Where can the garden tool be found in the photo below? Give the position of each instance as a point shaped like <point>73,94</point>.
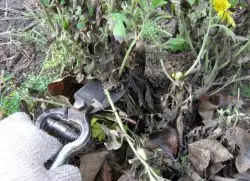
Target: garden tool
<point>72,123</point>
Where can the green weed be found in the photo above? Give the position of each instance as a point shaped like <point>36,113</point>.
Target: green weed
<point>11,95</point>
<point>245,90</point>
<point>96,129</point>
<point>38,83</point>
<point>9,102</point>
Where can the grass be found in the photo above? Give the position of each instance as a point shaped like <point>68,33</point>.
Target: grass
<point>9,103</point>
<point>11,95</point>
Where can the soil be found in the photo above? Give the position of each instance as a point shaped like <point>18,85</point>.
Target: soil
<point>173,62</point>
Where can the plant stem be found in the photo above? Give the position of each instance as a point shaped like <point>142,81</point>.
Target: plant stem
<point>33,99</point>
<point>47,16</point>
<point>165,72</point>
<point>150,171</point>
<point>64,44</point>
<point>187,33</point>
<point>165,32</point>
<point>191,69</point>
<point>125,59</point>
<point>228,83</point>
<point>242,48</point>
<point>77,45</point>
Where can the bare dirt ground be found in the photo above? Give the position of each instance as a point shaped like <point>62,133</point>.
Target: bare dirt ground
<point>17,57</point>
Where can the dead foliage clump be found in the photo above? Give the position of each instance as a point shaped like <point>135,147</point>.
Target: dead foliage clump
<point>179,71</point>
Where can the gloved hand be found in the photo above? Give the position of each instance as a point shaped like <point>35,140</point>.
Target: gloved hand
<point>24,149</point>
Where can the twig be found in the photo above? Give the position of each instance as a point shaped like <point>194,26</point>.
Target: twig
<point>5,33</point>
<point>12,58</point>
<point>208,82</point>
<point>5,9</point>
<point>228,83</point>
<point>15,18</point>
<point>242,48</point>
<point>11,10</point>
<point>152,175</point>
<point>235,109</point>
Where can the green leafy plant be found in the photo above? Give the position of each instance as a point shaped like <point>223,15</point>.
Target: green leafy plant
<point>143,23</point>
<point>117,22</point>
<point>156,3</point>
<point>31,35</point>
<point>9,102</point>
<point>177,44</point>
<point>192,2</point>
<point>96,129</point>
<point>9,98</point>
<point>39,83</point>
<point>11,95</point>
<point>245,90</point>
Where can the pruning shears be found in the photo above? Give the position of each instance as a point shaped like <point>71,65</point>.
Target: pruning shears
<point>73,123</point>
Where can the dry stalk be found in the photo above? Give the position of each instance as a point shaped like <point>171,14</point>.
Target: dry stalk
<point>210,80</point>
<point>166,73</point>
<point>6,9</point>
<point>204,43</point>
<point>230,81</point>
<point>125,59</point>
<point>33,99</point>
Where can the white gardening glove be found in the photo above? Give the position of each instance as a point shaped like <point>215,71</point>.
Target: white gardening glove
<point>24,149</point>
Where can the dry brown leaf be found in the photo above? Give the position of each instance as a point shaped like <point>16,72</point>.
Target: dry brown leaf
<point>208,104</point>
<point>206,150</point>
<point>166,139</point>
<point>91,165</point>
<point>214,169</point>
<point>66,86</point>
<point>242,162</point>
<point>206,108</point>
<point>137,90</point>
<point>127,177</point>
<point>192,173</point>
<point>222,100</point>
<point>185,178</point>
<point>106,172</point>
<point>241,138</point>
<point>199,158</point>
